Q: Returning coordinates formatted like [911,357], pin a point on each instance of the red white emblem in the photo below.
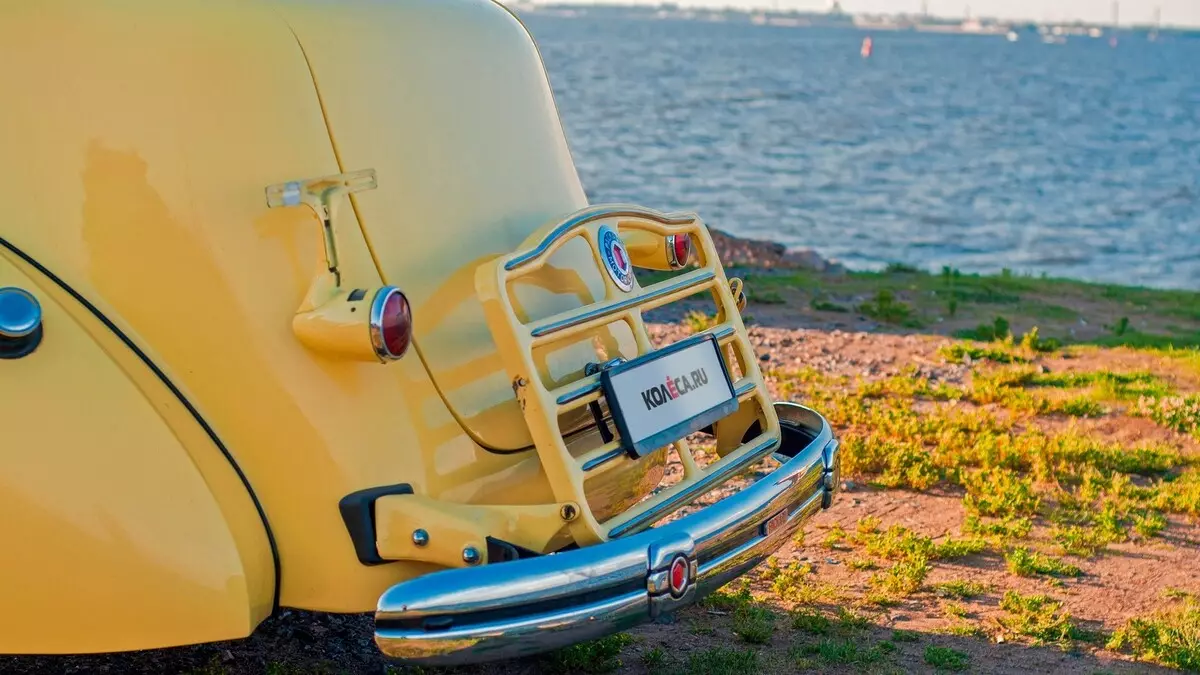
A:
[616,258]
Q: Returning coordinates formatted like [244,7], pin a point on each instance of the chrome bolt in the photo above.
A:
[568,512]
[420,537]
[471,555]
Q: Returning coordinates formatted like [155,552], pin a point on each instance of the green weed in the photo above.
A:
[723,661]
[1037,616]
[945,658]
[958,588]
[1170,637]
[1025,563]
[886,308]
[597,656]
[754,623]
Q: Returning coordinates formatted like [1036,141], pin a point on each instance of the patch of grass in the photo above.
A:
[845,652]
[834,537]
[1037,616]
[1108,385]
[1000,492]
[764,297]
[959,352]
[822,305]
[997,330]
[1078,406]
[1170,637]
[1181,413]
[955,609]
[886,308]
[848,620]
[900,635]
[961,589]
[945,658]
[698,322]
[724,600]
[1004,529]
[903,578]
[597,656]
[1149,523]
[1025,563]
[654,658]
[1082,542]
[862,564]
[811,621]
[963,628]
[953,549]
[793,582]
[723,661]
[896,543]
[754,623]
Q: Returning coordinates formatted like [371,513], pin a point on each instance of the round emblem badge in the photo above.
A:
[616,258]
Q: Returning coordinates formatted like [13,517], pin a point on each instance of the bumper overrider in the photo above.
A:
[524,607]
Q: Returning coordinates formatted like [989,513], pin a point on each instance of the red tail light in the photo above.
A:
[680,575]
[391,323]
[679,250]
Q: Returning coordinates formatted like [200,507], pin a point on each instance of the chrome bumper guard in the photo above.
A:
[524,607]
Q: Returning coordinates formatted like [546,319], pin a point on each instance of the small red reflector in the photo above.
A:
[679,575]
[679,249]
[391,323]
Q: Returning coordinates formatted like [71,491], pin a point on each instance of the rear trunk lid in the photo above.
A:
[449,102]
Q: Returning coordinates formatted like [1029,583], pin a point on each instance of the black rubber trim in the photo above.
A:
[502,551]
[18,348]
[358,512]
[212,435]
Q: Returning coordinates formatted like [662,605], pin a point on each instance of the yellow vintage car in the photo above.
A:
[302,305]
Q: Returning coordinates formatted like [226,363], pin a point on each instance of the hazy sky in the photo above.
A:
[1177,12]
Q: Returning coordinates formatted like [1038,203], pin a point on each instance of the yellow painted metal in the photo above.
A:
[542,404]
[137,153]
[138,139]
[449,102]
[340,326]
[124,526]
[451,528]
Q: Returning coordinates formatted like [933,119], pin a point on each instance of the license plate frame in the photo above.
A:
[625,383]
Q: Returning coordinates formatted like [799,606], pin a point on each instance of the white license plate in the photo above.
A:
[666,395]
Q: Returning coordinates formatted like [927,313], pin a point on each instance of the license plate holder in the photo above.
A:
[663,396]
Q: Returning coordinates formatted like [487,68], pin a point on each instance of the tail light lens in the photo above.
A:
[679,250]
[391,323]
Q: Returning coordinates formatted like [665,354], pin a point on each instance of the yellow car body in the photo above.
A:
[193,192]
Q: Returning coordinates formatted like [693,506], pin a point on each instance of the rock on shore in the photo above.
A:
[762,253]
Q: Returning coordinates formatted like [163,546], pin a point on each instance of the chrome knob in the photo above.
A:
[20,323]
[20,313]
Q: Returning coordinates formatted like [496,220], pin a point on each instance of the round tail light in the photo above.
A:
[680,576]
[679,250]
[391,323]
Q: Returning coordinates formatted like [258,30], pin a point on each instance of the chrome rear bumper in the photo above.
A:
[523,607]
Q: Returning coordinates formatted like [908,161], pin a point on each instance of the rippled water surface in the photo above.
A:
[1075,160]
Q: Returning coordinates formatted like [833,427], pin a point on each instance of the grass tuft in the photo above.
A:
[945,658]
[1037,616]
[1170,637]
[1025,563]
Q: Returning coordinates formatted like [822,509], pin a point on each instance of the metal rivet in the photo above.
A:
[471,555]
[568,512]
[420,537]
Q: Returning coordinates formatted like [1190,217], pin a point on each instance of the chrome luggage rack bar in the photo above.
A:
[542,405]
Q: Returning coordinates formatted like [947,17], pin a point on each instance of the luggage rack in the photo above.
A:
[542,406]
